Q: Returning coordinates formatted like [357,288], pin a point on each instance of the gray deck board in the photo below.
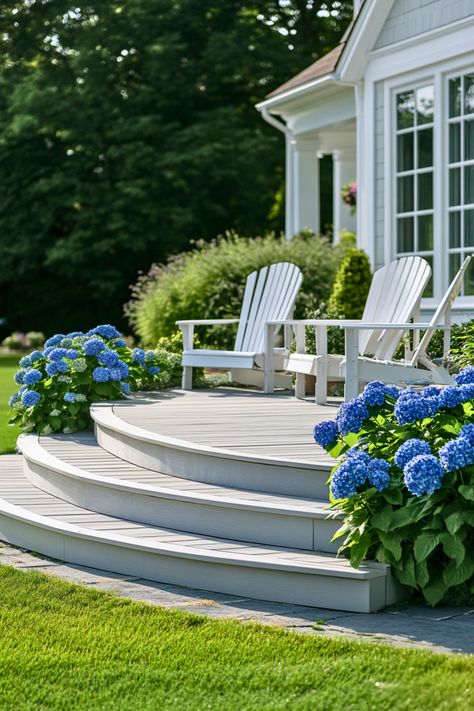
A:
[62,511]
[84,453]
[276,426]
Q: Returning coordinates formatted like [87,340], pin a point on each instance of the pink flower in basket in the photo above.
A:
[349,195]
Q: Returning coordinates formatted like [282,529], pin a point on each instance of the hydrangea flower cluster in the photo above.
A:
[357,470]
[351,474]
[351,416]
[374,393]
[423,465]
[406,475]
[379,474]
[59,383]
[325,433]
[457,454]
[466,376]
[412,406]
[409,450]
[423,475]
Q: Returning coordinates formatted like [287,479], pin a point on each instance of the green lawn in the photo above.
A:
[68,647]
[8,434]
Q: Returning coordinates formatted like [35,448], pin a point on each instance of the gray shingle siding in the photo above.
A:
[409,18]
[379,175]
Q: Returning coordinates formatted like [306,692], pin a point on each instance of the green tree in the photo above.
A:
[128,127]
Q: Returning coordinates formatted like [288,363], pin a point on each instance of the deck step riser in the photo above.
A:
[298,588]
[212,469]
[254,526]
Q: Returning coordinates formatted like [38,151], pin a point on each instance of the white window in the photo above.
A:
[414,172]
[460,179]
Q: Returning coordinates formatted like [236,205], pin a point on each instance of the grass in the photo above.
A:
[65,646]
[8,434]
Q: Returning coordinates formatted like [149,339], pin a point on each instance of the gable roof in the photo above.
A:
[323,66]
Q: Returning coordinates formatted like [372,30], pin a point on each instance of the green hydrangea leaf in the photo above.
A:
[103,389]
[55,422]
[455,574]
[393,495]
[453,547]
[337,450]
[435,591]
[392,543]
[403,517]
[406,572]
[454,521]
[358,550]
[383,519]
[425,544]
[467,492]
[422,573]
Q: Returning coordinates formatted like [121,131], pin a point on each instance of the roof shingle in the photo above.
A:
[324,65]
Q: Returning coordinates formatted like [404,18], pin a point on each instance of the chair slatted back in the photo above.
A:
[394,294]
[269,295]
[443,309]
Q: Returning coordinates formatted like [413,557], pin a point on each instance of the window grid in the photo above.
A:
[414,167]
[460,170]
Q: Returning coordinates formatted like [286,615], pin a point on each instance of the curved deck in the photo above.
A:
[219,489]
[275,427]
[225,436]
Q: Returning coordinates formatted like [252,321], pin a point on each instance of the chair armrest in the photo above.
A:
[187,328]
[392,326]
[315,322]
[208,322]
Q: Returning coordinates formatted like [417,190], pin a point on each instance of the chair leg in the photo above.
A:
[300,386]
[268,375]
[268,381]
[321,391]
[351,389]
[187,380]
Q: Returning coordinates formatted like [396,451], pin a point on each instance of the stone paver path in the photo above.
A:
[443,629]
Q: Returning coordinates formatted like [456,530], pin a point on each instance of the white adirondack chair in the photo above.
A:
[416,368]
[269,296]
[371,342]
[394,297]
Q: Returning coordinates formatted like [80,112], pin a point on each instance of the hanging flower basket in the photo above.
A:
[349,196]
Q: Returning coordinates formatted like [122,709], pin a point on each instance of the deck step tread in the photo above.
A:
[83,453]
[74,518]
[269,426]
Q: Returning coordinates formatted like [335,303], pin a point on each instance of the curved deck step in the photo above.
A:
[243,440]
[74,468]
[74,534]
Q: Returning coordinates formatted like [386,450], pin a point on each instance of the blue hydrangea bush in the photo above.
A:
[404,482]
[58,384]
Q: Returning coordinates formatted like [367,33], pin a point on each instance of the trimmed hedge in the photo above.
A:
[209,281]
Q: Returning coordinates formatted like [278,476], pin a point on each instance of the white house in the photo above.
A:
[394,105]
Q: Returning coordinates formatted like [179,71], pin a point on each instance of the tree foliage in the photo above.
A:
[128,127]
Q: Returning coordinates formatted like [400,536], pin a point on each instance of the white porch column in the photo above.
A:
[344,171]
[306,195]
[289,190]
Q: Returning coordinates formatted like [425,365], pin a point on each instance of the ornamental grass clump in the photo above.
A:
[59,383]
[404,482]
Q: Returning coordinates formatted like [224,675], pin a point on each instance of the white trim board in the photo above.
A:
[423,56]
